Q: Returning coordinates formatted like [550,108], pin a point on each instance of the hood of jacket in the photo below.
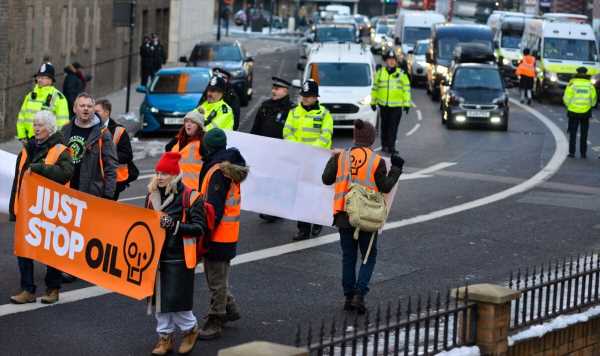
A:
[233,164]
[174,187]
[70,70]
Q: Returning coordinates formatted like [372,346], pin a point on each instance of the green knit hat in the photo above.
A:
[215,139]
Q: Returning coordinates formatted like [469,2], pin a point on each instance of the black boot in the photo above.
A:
[358,302]
[232,313]
[348,304]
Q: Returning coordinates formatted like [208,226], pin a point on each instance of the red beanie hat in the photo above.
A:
[169,163]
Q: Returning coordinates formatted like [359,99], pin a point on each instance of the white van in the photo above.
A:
[561,47]
[345,73]
[413,26]
[508,28]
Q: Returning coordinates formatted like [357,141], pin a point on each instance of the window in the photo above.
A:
[477,79]
[341,74]
[421,48]
[216,52]
[180,83]
[335,34]
[570,49]
[510,39]
[414,34]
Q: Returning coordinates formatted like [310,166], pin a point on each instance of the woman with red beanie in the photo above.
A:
[183,219]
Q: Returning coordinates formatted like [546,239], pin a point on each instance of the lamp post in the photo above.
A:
[130,55]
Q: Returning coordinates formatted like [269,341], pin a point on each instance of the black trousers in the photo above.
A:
[390,120]
[574,122]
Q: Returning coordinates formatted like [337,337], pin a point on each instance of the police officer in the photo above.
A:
[230,96]
[391,92]
[579,98]
[526,73]
[270,117]
[217,112]
[44,96]
[309,123]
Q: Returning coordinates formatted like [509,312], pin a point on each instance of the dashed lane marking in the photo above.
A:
[419,115]
[413,130]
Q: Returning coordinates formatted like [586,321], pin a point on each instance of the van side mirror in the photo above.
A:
[300,66]
[397,41]
[183,59]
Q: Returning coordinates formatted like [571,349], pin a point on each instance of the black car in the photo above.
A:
[230,56]
[475,95]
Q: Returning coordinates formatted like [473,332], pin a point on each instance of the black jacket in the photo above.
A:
[232,99]
[147,55]
[159,57]
[218,187]
[270,117]
[60,172]
[385,182]
[72,86]
[176,280]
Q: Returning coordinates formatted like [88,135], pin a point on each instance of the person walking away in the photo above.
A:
[93,154]
[183,219]
[270,117]
[229,96]
[127,171]
[147,61]
[223,172]
[391,93]
[526,73]
[188,143]
[368,169]
[159,55]
[44,154]
[218,113]
[44,96]
[72,86]
[309,123]
[579,98]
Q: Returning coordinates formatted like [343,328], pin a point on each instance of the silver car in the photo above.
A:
[417,65]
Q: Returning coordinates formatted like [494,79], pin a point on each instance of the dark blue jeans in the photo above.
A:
[350,248]
[53,276]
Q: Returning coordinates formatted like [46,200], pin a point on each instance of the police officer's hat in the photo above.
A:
[309,88]
[46,70]
[389,54]
[582,70]
[221,73]
[282,83]
[216,83]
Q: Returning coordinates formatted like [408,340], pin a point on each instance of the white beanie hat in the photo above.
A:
[196,116]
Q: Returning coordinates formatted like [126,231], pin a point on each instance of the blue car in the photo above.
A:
[173,93]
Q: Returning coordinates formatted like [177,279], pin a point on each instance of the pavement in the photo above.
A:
[479,204]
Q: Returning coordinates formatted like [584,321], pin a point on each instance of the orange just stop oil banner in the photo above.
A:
[106,243]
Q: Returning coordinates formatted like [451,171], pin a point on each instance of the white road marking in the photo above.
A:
[559,156]
[377,149]
[137,197]
[419,115]
[426,172]
[561,119]
[596,148]
[413,130]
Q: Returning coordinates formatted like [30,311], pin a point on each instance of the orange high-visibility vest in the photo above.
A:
[228,230]
[122,169]
[364,164]
[527,67]
[51,159]
[190,163]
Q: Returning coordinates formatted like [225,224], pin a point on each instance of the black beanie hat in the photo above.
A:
[364,133]
[215,139]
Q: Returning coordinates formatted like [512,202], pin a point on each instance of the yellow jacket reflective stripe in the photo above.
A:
[314,127]
[391,90]
[218,114]
[41,98]
[580,96]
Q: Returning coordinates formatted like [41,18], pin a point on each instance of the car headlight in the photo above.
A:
[153,110]
[551,76]
[378,39]
[595,79]
[499,101]
[390,44]
[365,101]
[441,70]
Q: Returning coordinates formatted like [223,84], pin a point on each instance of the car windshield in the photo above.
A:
[477,78]
[421,48]
[180,83]
[341,74]
[446,46]
[569,49]
[216,52]
[510,40]
[335,34]
[383,29]
[414,34]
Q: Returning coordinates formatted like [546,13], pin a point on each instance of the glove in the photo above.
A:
[167,223]
[406,109]
[397,161]
[374,107]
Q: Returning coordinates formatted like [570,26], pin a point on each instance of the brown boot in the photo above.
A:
[23,298]
[188,341]
[163,346]
[51,297]
[212,329]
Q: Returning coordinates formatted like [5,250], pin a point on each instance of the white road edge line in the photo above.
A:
[559,156]
[419,115]
[413,130]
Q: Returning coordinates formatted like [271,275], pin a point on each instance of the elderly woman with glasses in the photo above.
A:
[43,154]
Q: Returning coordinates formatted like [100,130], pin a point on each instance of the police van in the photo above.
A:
[560,47]
[345,73]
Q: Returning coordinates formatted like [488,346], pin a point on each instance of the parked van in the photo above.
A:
[508,28]
[413,26]
[560,48]
[345,75]
[444,39]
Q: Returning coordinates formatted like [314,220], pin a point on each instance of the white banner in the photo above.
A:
[7,172]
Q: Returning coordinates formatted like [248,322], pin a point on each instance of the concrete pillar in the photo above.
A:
[493,316]
[596,19]
[191,21]
[263,348]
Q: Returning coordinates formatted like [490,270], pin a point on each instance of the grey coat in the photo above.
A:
[91,180]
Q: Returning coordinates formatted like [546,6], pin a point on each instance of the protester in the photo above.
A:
[127,171]
[73,85]
[309,123]
[369,170]
[526,73]
[218,113]
[44,154]
[44,96]
[223,171]
[174,292]
[579,98]
[147,61]
[229,96]
[188,142]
